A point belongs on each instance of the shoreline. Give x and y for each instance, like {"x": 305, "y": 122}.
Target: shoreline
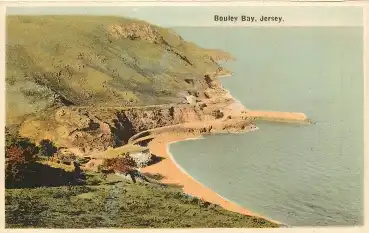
{"x": 220, "y": 196}
{"x": 173, "y": 173}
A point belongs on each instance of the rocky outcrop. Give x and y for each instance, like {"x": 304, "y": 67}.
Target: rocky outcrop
{"x": 136, "y": 31}
{"x": 133, "y": 176}
{"x": 70, "y": 128}
{"x": 142, "y": 159}
{"x": 218, "y": 55}
{"x": 85, "y": 129}
{"x": 90, "y": 129}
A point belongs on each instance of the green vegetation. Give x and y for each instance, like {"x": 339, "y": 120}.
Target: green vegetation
{"x": 43, "y": 194}
{"x": 89, "y": 63}
{"x": 47, "y": 148}
{"x": 117, "y": 203}
{"x": 27, "y": 166}
{"x": 12, "y": 139}
{"x": 86, "y": 60}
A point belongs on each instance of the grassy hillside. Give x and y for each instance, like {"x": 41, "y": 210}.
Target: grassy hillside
{"x": 89, "y": 63}
{"x": 94, "y": 60}
{"x": 117, "y": 203}
{"x": 42, "y": 192}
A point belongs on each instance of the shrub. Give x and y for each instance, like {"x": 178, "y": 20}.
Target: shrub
{"x": 14, "y": 140}
{"x": 47, "y": 147}
{"x": 123, "y": 164}
{"x": 16, "y": 163}
{"x": 18, "y": 155}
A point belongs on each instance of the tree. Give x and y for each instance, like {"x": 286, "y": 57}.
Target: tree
{"x": 123, "y": 164}
{"x": 17, "y": 159}
{"x": 14, "y": 140}
{"x": 47, "y": 147}
{"x": 18, "y": 155}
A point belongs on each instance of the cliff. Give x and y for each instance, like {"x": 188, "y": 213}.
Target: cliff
{"x": 106, "y": 79}
{"x": 98, "y": 61}
{"x": 89, "y": 129}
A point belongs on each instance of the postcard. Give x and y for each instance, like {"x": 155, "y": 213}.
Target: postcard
{"x": 170, "y": 116}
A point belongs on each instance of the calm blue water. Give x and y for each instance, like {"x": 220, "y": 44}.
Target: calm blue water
{"x": 301, "y": 175}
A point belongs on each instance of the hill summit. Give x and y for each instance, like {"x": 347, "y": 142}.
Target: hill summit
{"x": 98, "y": 61}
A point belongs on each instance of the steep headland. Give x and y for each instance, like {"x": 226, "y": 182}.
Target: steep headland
{"x": 98, "y": 61}
{"x": 108, "y": 86}
{"x": 108, "y": 78}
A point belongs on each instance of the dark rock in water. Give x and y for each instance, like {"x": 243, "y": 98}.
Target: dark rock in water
{"x": 284, "y": 226}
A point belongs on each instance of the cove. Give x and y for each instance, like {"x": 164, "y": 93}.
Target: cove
{"x": 300, "y": 175}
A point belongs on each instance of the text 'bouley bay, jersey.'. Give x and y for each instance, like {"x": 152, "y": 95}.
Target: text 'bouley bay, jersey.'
{"x": 245, "y": 18}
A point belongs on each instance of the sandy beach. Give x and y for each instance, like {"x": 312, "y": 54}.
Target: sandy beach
{"x": 162, "y": 137}
{"x": 173, "y": 174}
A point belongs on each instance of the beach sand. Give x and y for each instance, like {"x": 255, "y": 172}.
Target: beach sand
{"x": 174, "y": 175}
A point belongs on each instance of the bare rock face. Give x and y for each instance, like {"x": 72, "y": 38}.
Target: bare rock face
{"x": 136, "y": 31}
{"x": 70, "y": 128}
{"x": 142, "y": 159}
{"x": 218, "y": 55}
{"x": 191, "y": 99}
{"x": 72, "y": 118}
{"x": 95, "y": 129}
{"x": 133, "y": 176}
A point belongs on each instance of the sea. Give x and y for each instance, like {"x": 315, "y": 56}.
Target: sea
{"x": 299, "y": 175}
